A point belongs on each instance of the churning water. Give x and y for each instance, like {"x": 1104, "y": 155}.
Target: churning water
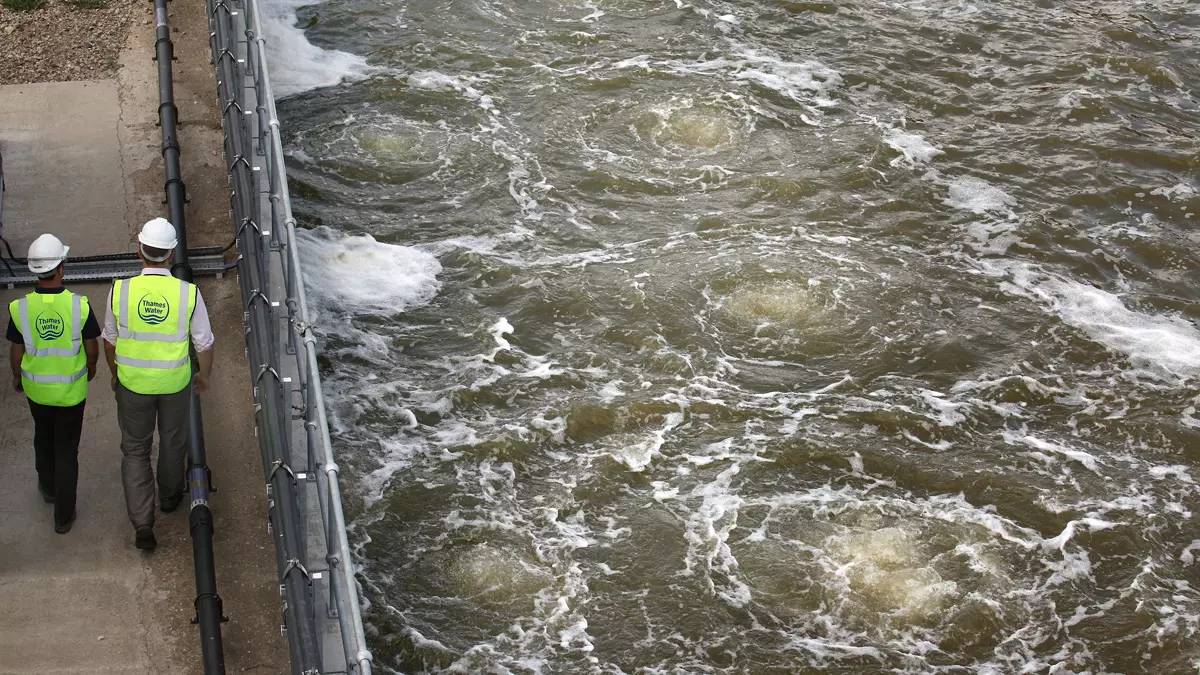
{"x": 759, "y": 337}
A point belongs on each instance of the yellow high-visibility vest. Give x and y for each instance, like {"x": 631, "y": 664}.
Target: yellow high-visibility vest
{"x": 154, "y": 319}
{"x": 54, "y": 368}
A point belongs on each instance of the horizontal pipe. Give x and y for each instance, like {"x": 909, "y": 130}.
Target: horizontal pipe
{"x": 202, "y": 251}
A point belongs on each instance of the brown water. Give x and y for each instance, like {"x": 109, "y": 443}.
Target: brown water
{"x": 760, "y": 337}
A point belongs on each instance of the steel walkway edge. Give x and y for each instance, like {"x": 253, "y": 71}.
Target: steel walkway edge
{"x": 206, "y": 261}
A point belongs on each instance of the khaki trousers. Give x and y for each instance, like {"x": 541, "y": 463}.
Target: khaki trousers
{"x": 136, "y": 414}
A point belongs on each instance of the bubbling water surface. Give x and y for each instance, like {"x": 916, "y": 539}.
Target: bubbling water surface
{"x": 759, "y": 337}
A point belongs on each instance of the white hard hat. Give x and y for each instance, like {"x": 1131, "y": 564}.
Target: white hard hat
{"x": 158, "y": 233}
{"x": 45, "y": 253}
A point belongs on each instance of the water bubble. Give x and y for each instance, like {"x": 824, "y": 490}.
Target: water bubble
{"x": 885, "y": 569}
{"x": 787, "y": 303}
{"x": 687, "y": 127}
{"x": 888, "y": 570}
{"x": 493, "y": 575}
{"x": 389, "y": 145}
{"x": 381, "y": 149}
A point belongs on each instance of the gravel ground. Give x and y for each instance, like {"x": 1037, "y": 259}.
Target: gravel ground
{"x": 64, "y": 41}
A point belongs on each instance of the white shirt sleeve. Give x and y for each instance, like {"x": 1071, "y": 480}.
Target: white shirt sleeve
{"x": 109, "y": 332}
{"x": 202, "y": 335}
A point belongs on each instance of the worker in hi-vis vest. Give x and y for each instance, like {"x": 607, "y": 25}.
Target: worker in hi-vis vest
{"x": 53, "y": 355}
{"x": 151, "y": 319}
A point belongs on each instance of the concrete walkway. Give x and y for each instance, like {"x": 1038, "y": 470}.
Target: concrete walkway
{"x": 81, "y": 598}
{"x": 87, "y": 601}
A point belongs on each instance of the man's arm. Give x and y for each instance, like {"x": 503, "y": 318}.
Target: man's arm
{"x": 110, "y": 356}
{"x": 202, "y": 340}
{"x": 92, "y": 349}
{"x": 108, "y": 335}
{"x": 109, "y": 332}
{"x": 205, "y": 360}
{"x": 16, "y": 352}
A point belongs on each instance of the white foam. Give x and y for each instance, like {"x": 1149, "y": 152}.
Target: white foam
{"x": 1087, "y": 459}
{"x": 1186, "y": 556}
{"x": 397, "y": 454}
{"x": 1075, "y": 98}
{"x": 795, "y": 80}
{"x": 1179, "y": 471}
{"x": 1164, "y": 344}
{"x": 707, "y": 534}
{"x": 1060, "y": 542}
{"x": 937, "y": 445}
{"x": 611, "y": 391}
{"x": 948, "y": 413}
{"x": 298, "y": 65}
{"x": 357, "y": 274}
{"x": 540, "y": 367}
{"x": 433, "y": 80}
{"x": 1182, "y": 191}
{"x": 977, "y": 196}
{"x": 914, "y": 149}
{"x": 637, "y": 456}
{"x": 498, "y": 331}
{"x": 422, "y": 642}
{"x": 806, "y": 82}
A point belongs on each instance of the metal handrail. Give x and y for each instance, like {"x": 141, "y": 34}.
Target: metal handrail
{"x": 346, "y": 590}
{"x": 269, "y": 253}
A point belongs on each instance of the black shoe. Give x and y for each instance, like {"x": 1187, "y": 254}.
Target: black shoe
{"x": 169, "y": 504}
{"x": 46, "y": 496}
{"x": 63, "y": 528}
{"x": 145, "y": 539}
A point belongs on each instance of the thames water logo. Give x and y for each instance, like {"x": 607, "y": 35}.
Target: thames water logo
{"x": 50, "y": 325}
{"x": 153, "y": 309}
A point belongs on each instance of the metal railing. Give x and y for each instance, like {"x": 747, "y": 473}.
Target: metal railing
{"x": 322, "y": 614}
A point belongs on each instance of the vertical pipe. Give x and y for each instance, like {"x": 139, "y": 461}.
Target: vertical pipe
{"x": 200, "y": 521}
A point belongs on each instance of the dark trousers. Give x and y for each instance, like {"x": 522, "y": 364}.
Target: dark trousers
{"x": 137, "y": 414}
{"x": 56, "y": 433}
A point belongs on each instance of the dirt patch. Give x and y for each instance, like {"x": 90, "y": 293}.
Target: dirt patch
{"x": 64, "y": 40}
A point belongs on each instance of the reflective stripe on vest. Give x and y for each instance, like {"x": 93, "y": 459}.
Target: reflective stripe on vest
{"x": 53, "y": 379}
{"x": 151, "y": 363}
{"x": 54, "y": 366}
{"x": 148, "y": 361}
